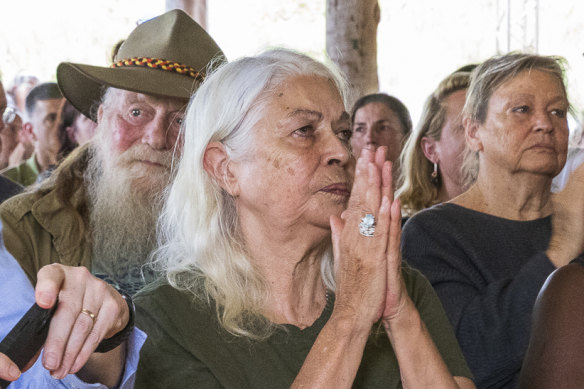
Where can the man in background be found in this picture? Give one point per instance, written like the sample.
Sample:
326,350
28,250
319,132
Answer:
42,110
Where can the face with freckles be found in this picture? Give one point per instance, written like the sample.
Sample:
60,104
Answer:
526,127
138,133
300,169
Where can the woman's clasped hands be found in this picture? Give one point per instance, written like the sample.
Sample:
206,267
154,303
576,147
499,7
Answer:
366,246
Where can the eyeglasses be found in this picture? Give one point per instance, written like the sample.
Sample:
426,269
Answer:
9,115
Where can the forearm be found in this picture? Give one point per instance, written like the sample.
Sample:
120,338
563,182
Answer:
335,356
420,362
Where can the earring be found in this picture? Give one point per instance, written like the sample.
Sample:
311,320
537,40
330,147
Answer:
435,178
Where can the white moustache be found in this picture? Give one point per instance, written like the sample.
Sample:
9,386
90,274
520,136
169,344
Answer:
145,153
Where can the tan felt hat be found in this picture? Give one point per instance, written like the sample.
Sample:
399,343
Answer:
166,56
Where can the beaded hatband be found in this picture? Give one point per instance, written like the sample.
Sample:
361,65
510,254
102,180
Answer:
161,64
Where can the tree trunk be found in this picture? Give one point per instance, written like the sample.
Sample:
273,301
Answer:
351,42
197,9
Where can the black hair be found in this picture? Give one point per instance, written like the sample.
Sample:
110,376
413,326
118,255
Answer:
68,116
44,91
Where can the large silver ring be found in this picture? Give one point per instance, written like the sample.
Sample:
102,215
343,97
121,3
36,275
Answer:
367,225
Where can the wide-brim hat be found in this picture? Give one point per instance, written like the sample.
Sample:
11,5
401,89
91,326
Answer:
165,56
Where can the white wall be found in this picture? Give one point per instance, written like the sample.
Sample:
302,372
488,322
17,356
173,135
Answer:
419,41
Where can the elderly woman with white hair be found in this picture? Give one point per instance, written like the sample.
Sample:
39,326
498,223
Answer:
279,274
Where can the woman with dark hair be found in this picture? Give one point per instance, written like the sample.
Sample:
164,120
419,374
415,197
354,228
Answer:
75,129
72,126
488,251
68,116
380,120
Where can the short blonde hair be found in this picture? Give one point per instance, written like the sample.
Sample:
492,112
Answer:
488,77
416,190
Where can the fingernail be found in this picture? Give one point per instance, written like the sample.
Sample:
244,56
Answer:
44,299
13,372
50,361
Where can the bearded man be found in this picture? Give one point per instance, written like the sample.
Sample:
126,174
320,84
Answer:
99,207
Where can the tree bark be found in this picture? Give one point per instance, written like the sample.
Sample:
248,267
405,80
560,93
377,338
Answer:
351,42
197,9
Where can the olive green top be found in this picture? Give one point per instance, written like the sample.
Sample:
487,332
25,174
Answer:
186,347
24,174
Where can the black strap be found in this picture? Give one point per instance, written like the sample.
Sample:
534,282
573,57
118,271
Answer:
119,338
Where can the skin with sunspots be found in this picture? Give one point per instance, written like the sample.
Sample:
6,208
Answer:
138,116
522,145
507,136
142,132
288,165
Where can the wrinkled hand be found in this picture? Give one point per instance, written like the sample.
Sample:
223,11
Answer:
73,335
567,241
368,269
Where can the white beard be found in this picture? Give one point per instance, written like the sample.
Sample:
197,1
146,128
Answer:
125,202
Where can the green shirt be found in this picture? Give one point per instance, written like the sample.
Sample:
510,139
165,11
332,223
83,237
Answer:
186,347
24,174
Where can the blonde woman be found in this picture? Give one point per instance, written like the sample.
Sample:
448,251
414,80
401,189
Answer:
432,157
488,251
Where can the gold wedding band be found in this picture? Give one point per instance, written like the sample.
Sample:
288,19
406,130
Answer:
89,313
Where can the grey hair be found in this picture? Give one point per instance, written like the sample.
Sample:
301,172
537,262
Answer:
201,247
487,78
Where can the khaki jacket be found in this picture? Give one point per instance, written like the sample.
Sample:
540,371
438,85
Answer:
39,228
24,174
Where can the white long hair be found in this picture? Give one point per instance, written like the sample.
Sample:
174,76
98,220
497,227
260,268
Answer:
201,248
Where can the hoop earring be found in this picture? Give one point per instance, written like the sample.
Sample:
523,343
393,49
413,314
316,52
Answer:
435,175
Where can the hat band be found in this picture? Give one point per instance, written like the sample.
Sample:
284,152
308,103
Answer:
161,64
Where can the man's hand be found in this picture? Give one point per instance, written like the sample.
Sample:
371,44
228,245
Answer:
8,369
89,311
